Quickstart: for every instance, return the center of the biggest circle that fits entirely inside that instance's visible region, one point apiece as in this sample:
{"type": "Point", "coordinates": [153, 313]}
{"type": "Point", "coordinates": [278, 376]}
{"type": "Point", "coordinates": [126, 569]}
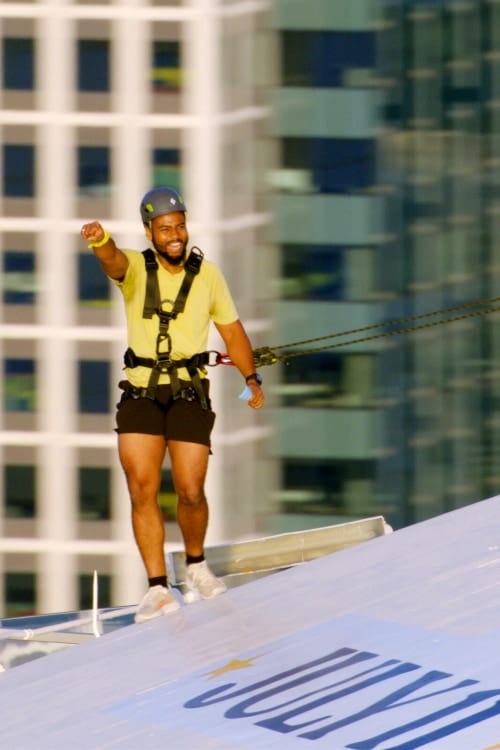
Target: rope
{"type": "Point", "coordinates": [267, 356]}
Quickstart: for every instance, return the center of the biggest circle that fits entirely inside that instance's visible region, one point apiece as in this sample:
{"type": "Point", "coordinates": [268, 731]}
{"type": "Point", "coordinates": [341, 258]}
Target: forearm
{"type": "Point", "coordinates": [238, 347]}
{"type": "Point", "coordinates": [113, 261]}
{"type": "Point", "coordinates": [240, 351]}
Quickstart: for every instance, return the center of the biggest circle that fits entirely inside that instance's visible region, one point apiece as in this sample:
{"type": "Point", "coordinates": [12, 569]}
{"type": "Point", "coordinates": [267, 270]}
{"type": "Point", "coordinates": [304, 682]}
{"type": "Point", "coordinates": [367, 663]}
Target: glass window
{"type": "Point", "coordinates": [93, 64]}
{"type": "Point", "coordinates": [20, 491]}
{"type": "Point", "coordinates": [336, 165]}
{"type": "Point", "coordinates": [167, 497]}
{"type": "Point", "coordinates": [93, 286]}
{"type": "Point", "coordinates": [313, 272]}
{"type": "Point", "coordinates": [18, 281]}
{"type": "Point", "coordinates": [323, 58]}
{"type": "Point", "coordinates": [323, 272]}
{"type": "Point", "coordinates": [94, 484]}
{"type": "Point", "coordinates": [166, 74]}
{"type": "Point", "coordinates": [18, 63]}
{"type": "Point", "coordinates": [93, 386]}
{"type": "Point", "coordinates": [323, 487]}
{"type": "Point", "coordinates": [166, 169]}
{"type": "Point", "coordinates": [330, 380]}
{"type": "Point", "coordinates": [19, 385]}
{"type": "Point", "coordinates": [94, 169]}
{"type": "Point", "coordinates": [20, 594]}
{"type": "Point", "coordinates": [86, 582]}
{"type": "Point", "coordinates": [18, 170]}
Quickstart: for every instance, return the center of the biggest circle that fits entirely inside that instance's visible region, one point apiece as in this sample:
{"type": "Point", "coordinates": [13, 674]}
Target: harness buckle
{"type": "Point", "coordinates": [188, 394]}
{"type": "Point", "coordinates": [136, 393]}
{"type": "Point", "coordinates": [163, 358]}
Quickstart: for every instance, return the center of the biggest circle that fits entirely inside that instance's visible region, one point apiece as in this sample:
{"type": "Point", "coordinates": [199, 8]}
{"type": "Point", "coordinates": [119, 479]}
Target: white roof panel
{"type": "Point", "coordinates": [393, 644]}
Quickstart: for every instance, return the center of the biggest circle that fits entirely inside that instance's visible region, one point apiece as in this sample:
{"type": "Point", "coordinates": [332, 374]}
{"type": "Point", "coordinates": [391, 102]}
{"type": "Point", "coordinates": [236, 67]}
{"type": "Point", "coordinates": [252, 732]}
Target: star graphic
{"type": "Point", "coordinates": [233, 665]}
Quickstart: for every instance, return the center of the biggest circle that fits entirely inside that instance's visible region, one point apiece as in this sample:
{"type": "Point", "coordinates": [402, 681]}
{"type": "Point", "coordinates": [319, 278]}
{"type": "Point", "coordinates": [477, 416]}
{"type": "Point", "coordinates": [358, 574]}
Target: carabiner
{"type": "Point", "coordinates": [220, 359]}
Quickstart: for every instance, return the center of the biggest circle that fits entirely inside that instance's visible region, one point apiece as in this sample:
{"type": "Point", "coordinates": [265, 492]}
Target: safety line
{"type": "Point", "coordinates": [267, 355]}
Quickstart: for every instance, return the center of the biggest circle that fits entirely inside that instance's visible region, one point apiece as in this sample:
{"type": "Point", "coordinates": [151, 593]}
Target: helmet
{"type": "Point", "coordinates": [160, 201]}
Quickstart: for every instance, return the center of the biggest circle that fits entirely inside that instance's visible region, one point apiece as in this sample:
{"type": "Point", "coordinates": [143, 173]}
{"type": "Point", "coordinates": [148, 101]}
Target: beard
{"type": "Point", "coordinates": [173, 260]}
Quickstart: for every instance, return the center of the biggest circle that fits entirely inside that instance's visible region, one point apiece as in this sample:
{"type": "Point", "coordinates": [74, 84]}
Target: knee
{"type": "Point", "coordinates": [142, 489]}
{"type": "Point", "coordinates": [191, 496]}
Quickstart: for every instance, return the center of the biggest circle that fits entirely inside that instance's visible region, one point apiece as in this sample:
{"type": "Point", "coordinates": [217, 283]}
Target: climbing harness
{"type": "Point", "coordinates": [266, 355]}
{"type": "Point", "coordinates": [154, 305]}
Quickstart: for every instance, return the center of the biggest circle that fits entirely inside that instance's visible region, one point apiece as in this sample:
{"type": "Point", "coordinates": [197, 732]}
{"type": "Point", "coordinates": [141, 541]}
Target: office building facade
{"type": "Point", "coordinates": [99, 103]}
{"type": "Point", "coordinates": [386, 211]}
{"type": "Point", "coordinates": [339, 161]}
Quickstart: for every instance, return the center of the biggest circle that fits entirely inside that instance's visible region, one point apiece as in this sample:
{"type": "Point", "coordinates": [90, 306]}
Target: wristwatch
{"type": "Point", "coordinates": [254, 376]}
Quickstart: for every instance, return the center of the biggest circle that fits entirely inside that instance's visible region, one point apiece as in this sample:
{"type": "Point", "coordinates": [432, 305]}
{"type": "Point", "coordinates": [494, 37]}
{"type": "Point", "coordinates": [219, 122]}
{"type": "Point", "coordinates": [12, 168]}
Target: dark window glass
{"type": "Point", "coordinates": [18, 63]}
{"type": "Point", "coordinates": [313, 272]}
{"type": "Point", "coordinates": [317, 487]}
{"type": "Point", "coordinates": [18, 170]}
{"type": "Point", "coordinates": [166, 67]}
{"type": "Point", "coordinates": [20, 491]}
{"type": "Point", "coordinates": [93, 286]}
{"type": "Point", "coordinates": [93, 169]}
{"type": "Point", "coordinates": [18, 278]}
{"type": "Point", "coordinates": [166, 169]}
{"type": "Point", "coordinates": [20, 594]}
{"type": "Point", "coordinates": [167, 497]}
{"type": "Point", "coordinates": [93, 64]}
{"type": "Point", "coordinates": [321, 58]}
{"type": "Point", "coordinates": [330, 380]}
{"type": "Point", "coordinates": [93, 386]}
{"type": "Point", "coordinates": [86, 583]}
{"type": "Point", "coordinates": [19, 385]}
{"type": "Point", "coordinates": [336, 165]}
{"type": "Point", "coordinates": [94, 492]}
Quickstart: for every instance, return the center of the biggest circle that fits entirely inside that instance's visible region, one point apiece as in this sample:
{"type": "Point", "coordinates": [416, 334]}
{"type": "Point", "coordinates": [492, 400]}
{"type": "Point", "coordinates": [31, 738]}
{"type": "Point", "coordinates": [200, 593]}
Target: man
{"type": "Point", "coordinates": [165, 403]}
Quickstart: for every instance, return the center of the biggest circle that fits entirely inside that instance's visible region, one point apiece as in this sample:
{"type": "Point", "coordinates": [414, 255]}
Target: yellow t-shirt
{"type": "Point", "coordinates": [209, 299]}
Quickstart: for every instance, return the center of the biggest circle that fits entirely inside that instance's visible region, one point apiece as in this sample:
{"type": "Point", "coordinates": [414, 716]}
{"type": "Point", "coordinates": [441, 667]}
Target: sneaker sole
{"type": "Point", "coordinates": [190, 597]}
{"type": "Point", "coordinates": [165, 610]}
{"type": "Point", "coordinates": [139, 619]}
{"type": "Point", "coordinates": [193, 595]}
{"type": "Point", "coordinates": [171, 607]}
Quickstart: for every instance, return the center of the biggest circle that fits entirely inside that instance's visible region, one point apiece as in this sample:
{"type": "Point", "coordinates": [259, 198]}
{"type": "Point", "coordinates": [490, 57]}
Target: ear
{"type": "Point", "coordinates": [147, 231]}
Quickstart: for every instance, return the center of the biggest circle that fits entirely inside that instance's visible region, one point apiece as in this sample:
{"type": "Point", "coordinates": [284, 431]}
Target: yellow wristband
{"type": "Point", "coordinates": [102, 242]}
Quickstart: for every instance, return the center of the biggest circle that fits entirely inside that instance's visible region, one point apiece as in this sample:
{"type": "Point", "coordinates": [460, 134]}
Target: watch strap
{"type": "Point", "coordinates": [254, 376]}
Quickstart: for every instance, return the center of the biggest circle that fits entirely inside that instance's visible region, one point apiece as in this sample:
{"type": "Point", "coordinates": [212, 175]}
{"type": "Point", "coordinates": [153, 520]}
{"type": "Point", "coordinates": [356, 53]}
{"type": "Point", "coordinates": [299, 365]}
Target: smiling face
{"type": "Point", "coordinates": [169, 236]}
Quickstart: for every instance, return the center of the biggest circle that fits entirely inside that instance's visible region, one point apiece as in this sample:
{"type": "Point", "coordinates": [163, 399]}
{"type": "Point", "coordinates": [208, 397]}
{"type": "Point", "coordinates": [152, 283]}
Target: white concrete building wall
{"type": "Point", "coordinates": [57, 117]}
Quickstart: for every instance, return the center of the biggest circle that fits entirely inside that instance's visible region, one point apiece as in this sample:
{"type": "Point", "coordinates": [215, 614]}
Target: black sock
{"type": "Point", "coordinates": [192, 559]}
{"type": "Point", "coordinates": [158, 581]}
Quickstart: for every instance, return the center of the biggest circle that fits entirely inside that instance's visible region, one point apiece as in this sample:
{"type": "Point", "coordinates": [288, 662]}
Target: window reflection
{"type": "Point", "coordinates": [329, 380]}
{"type": "Point", "coordinates": [94, 491]}
{"type": "Point", "coordinates": [18, 63]}
{"type": "Point", "coordinates": [19, 385]}
{"type": "Point", "coordinates": [93, 386]}
{"type": "Point", "coordinates": [18, 280]}
{"type": "Point", "coordinates": [93, 64]}
{"type": "Point", "coordinates": [20, 594]}
{"type": "Point", "coordinates": [166, 75]}
{"type": "Point", "coordinates": [20, 491]}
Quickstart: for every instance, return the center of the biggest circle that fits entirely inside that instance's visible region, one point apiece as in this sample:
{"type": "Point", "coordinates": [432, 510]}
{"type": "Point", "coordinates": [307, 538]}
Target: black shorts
{"type": "Point", "coordinates": [177, 419]}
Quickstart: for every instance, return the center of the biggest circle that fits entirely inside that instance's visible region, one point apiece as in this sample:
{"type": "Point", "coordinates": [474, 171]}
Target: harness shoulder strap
{"type": "Point", "coordinates": [192, 268]}
{"type": "Point", "coordinates": [152, 297]}
{"type": "Point", "coordinates": [152, 300]}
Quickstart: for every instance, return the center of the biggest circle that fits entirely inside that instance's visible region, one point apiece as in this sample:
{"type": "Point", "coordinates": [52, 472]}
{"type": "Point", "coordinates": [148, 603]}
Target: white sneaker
{"type": "Point", "coordinates": [201, 582]}
{"type": "Point", "coordinates": [156, 602]}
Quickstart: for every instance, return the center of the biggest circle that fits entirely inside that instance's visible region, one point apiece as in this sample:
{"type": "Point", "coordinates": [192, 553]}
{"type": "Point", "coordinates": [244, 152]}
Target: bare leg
{"type": "Point", "coordinates": [189, 468]}
{"type": "Point", "coordinates": [141, 457]}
